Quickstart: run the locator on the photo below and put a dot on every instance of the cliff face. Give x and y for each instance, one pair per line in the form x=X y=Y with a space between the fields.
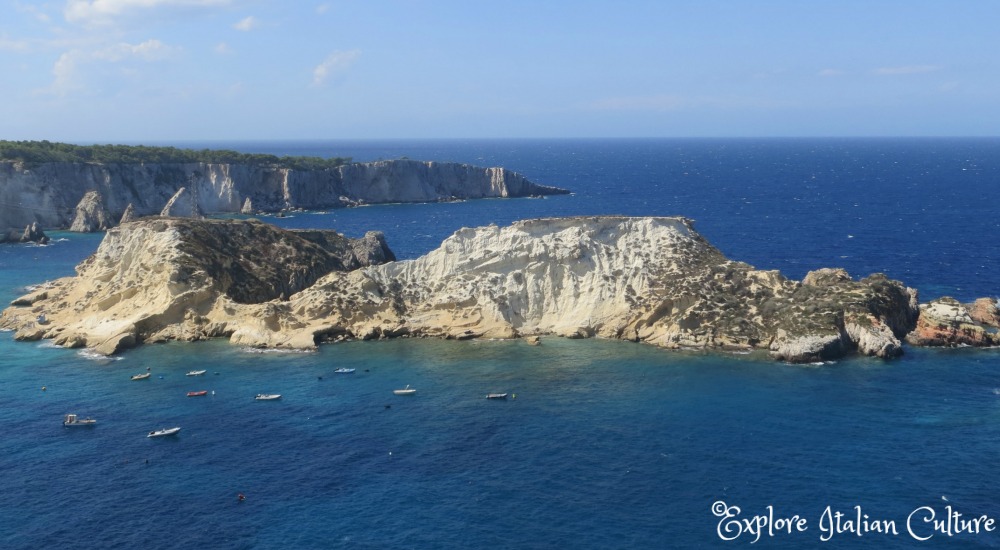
x=945 y=322
x=51 y=194
x=159 y=279
x=653 y=280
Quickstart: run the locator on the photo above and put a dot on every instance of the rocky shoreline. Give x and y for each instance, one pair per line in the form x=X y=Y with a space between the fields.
x=652 y=280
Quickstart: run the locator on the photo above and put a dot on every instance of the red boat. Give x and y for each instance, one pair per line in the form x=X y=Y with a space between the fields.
x=197 y=393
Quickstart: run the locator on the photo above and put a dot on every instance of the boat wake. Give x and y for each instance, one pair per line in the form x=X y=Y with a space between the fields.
x=274 y=350
x=92 y=355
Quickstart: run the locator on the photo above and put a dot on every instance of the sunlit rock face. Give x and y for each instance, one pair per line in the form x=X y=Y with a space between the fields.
x=652 y=280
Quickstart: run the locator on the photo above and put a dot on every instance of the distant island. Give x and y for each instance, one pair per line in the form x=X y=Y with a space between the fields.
x=95 y=187
x=653 y=280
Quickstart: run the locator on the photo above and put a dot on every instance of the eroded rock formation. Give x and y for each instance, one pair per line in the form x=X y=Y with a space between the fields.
x=91 y=215
x=947 y=322
x=163 y=278
x=32 y=233
x=652 y=280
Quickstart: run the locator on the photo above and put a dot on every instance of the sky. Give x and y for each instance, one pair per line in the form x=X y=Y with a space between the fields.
x=102 y=71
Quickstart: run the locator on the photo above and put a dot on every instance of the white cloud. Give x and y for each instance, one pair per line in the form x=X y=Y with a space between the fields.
x=101 y=12
x=8 y=45
x=223 y=49
x=35 y=11
x=69 y=70
x=907 y=69
x=336 y=62
x=246 y=24
x=150 y=50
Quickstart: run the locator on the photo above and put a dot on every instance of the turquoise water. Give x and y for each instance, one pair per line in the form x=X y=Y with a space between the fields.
x=606 y=445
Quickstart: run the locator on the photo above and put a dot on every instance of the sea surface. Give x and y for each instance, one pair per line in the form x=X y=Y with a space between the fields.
x=600 y=444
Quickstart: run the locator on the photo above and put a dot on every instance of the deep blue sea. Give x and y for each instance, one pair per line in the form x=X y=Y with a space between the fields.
x=607 y=444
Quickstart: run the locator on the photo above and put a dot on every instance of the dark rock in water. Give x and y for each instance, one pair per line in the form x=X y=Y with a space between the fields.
x=34 y=234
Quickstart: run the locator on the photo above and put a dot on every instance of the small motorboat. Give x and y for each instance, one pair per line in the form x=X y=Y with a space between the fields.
x=73 y=420
x=267 y=396
x=343 y=370
x=496 y=396
x=405 y=391
x=163 y=432
x=142 y=376
x=197 y=393
x=196 y=373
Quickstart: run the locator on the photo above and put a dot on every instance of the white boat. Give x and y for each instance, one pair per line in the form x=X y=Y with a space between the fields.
x=163 y=432
x=267 y=396
x=405 y=391
x=343 y=370
x=196 y=373
x=496 y=396
x=141 y=376
x=73 y=420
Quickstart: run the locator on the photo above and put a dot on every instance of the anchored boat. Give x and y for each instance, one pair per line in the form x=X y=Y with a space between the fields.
x=71 y=420
x=267 y=396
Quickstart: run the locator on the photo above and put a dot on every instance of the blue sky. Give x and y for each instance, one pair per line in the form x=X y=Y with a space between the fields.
x=154 y=70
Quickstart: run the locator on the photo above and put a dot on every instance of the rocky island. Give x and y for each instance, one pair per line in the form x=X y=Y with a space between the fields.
x=653 y=280
x=93 y=188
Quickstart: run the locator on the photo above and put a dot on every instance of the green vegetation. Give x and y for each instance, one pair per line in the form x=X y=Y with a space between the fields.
x=34 y=153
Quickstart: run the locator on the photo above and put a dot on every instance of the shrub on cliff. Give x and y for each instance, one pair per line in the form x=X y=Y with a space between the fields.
x=34 y=153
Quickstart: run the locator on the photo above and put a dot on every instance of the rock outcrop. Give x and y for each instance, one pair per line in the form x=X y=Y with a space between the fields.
x=91 y=215
x=184 y=204
x=652 y=280
x=128 y=215
x=945 y=322
x=163 y=278
x=32 y=233
x=50 y=193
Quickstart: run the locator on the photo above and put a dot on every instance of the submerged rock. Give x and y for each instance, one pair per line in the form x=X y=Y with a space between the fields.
x=652 y=280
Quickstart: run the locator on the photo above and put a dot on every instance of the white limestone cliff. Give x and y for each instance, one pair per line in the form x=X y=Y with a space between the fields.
x=49 y=193
x=653 y=280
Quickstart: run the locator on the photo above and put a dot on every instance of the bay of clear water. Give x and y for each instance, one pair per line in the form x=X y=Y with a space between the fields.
x=606 y=445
